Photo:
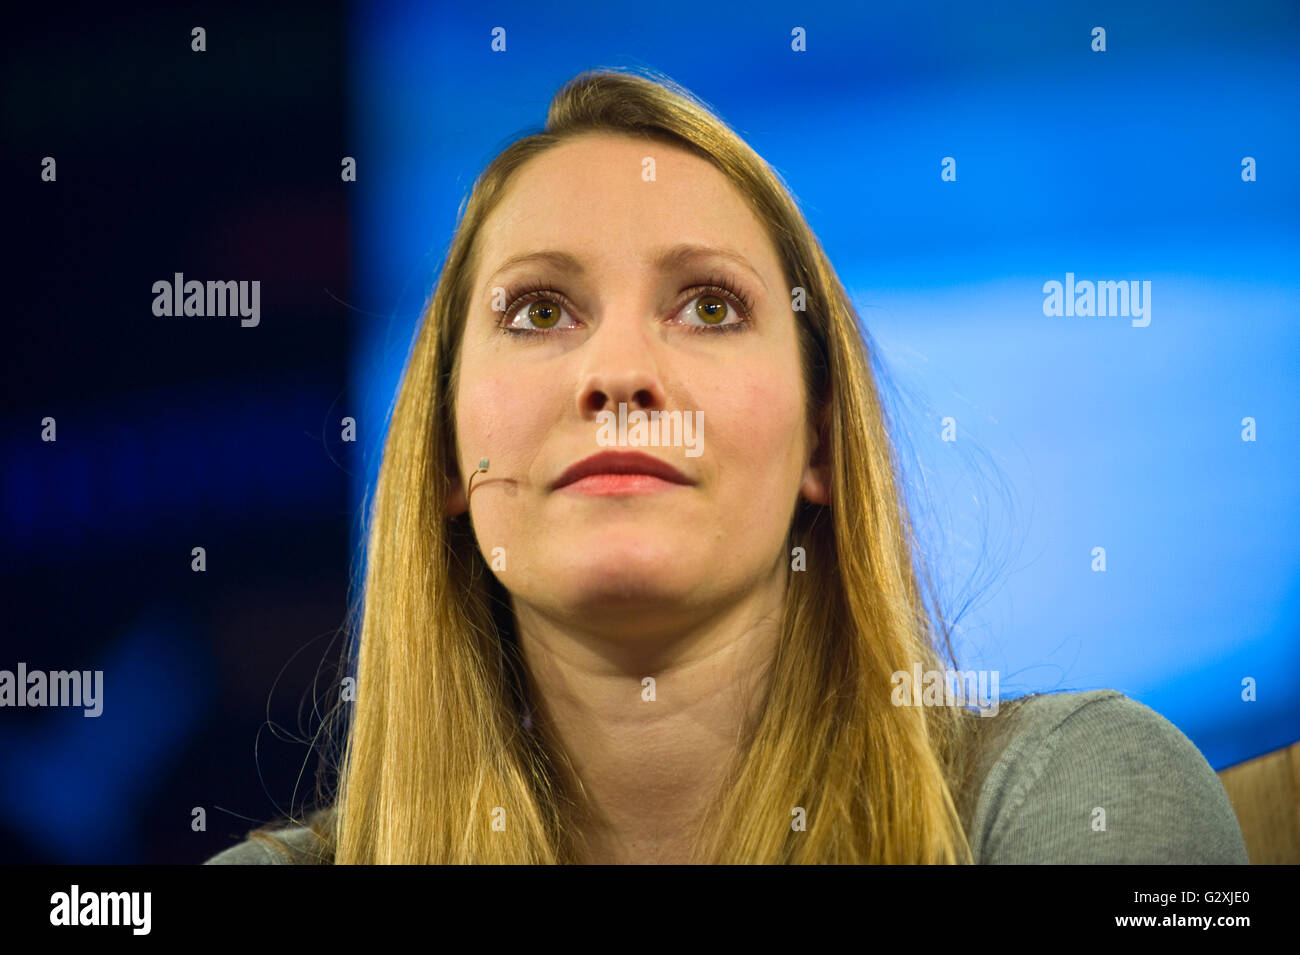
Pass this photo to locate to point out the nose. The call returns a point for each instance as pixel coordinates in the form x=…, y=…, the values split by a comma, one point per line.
x=619, y=368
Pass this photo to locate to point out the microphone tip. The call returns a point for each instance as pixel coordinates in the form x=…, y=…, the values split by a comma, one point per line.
x=482, y=464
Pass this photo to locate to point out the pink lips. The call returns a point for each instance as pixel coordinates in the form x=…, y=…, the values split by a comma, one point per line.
x=620, y=472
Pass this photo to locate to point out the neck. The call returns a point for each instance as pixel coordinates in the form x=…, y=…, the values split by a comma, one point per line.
x=650, y=721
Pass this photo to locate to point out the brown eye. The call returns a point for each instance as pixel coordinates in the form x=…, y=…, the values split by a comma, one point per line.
x=544, y=313
x=711, y=309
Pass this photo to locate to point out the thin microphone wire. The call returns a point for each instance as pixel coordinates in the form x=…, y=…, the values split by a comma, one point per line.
x=482, y=469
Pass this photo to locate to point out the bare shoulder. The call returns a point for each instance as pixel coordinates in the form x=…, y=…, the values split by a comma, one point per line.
x=296, y=845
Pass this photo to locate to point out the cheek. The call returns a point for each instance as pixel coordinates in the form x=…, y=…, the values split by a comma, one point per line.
x=499, y=415
x=758, y=425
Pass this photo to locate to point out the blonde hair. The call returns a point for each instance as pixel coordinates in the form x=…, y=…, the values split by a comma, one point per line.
x=435, y=742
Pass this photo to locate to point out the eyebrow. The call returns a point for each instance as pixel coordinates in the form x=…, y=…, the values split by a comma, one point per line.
x=673, y=257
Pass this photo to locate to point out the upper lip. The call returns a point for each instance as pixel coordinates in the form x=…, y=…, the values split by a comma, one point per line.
x=620, y=462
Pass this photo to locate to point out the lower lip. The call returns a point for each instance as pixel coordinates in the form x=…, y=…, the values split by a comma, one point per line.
x=604, y=485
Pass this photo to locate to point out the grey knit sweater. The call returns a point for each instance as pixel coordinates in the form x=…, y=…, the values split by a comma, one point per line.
x=1047, y=775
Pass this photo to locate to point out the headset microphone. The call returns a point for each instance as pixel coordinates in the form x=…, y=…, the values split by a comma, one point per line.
x=482, y=469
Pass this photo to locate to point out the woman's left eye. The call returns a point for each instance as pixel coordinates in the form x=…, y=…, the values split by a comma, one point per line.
x=713, y=310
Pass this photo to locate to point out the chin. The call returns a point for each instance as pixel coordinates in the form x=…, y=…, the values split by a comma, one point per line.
x=631, y=553
x=623, y=598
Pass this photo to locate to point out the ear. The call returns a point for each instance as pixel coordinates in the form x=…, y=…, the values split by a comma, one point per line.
x=816, y=484
x=457, y=503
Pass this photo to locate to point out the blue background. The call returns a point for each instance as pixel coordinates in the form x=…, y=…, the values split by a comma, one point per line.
x=1073, y=432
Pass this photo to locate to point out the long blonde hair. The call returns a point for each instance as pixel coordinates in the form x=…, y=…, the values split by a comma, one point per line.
x=435, y=749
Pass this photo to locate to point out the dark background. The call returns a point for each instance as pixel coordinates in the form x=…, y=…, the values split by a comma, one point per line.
x=172, y=432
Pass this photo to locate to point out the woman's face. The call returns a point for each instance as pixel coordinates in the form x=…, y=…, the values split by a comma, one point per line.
x=625, y=319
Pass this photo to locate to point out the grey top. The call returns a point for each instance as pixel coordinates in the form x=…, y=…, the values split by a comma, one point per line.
x=1090, y=777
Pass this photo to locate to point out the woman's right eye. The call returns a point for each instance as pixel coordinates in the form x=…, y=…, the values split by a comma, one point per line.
x=540, y=314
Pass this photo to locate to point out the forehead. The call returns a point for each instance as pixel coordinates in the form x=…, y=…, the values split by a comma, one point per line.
x=593, y=196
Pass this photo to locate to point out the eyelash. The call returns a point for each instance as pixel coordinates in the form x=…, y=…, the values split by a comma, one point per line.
x=722, y=287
